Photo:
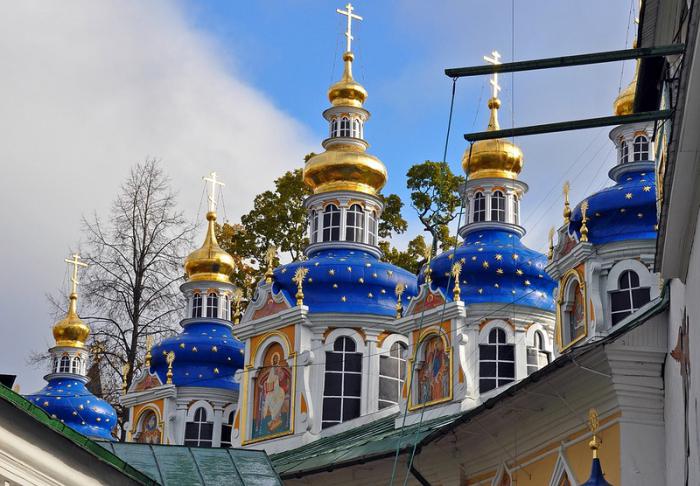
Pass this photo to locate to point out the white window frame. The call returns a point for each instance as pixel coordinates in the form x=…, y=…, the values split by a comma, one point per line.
x=355, y=231
x=479, y=196
x=640, y=148
x=498, y=209
x=330, y=210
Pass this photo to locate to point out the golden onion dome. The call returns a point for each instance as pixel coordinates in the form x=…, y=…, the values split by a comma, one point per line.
x=210, y=262
x=347, y=91
x=624, y=103
x=493, y=158
x=71, y=330
x=345, y=167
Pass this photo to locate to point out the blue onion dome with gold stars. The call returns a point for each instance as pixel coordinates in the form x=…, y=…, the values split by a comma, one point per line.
x=65, y=396
x=206, y=355
x=624, y=211
x=348, y=281
x=68, y=400
x=496, y=268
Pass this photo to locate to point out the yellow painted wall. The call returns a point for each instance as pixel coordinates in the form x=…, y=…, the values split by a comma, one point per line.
x=578, y=456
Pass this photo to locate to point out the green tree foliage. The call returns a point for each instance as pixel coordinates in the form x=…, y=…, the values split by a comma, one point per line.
x=435, y=197
x=411, y=259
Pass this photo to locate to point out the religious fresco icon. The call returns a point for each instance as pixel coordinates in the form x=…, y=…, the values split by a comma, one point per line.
x=150, y=432
x=434, y=376
x=272, y=396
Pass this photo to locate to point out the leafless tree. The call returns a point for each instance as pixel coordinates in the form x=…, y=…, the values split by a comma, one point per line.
x=130, y=290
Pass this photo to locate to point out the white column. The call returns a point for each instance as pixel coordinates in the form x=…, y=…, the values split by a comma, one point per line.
x=487, y=195
x=370, y=374
x=179, y=424
x=520, y=354
x=343, y=215
x=316, y=380
x=218, y=417
x=510, y=213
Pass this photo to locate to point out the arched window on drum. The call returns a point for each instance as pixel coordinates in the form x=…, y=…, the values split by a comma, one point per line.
x=496, y=361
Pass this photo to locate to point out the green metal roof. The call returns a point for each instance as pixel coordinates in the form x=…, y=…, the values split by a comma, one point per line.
x=38, y=414
x=178, y=465
x=366, y=442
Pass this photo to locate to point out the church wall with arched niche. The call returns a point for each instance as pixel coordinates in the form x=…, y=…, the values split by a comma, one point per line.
x=147, y=425
x=432, y=363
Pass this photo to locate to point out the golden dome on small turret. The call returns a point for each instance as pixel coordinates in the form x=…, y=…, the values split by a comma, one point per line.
x=495, y=157
x=345, y=165
x=624, y=103
x=347, y=91
x=71, y=330
x=210, y=262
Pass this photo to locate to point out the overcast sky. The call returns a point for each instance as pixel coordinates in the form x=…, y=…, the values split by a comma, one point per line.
x=90, y=87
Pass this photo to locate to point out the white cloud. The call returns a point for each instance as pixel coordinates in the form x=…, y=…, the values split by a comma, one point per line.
x=90, y=88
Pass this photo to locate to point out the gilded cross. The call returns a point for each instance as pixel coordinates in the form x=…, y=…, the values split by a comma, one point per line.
x=212, y=194
x=495, y=60
x=74, y=278
x=348, y=13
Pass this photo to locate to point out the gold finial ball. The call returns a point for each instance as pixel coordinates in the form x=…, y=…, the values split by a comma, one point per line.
x=493, y=158
x=345, y=168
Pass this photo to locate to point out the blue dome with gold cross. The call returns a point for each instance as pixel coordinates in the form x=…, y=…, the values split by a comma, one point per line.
x=206, y=355
x=496, y=268
x=68, y=400
x=624, y=211
x=349, y=281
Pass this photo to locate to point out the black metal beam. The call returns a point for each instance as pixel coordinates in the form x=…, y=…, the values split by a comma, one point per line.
x=569, y=125
x=567, y=61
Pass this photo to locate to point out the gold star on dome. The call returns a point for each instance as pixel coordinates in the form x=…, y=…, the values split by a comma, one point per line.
x=310, y=280
x=390, y=273
x=527, y=282
x=182, y=346
x=628, y=195
x=450, y=256
x=481, y=291
x=499, y=271
x=216, y=371
x=383, y=291
x=374, y=275
x=316, y=264
x=485, y=264
x=343, y=298
x=497, y=286
x=473, y=258
x=368, y=265
x=499, y=257
x=622, y=210
x=335, y=285
x=640, y=215
x=370, y=295
x=331, y=272
x=349, y=269
x=646, y=188
x=515, y=256
x=518, y=271
x=361, y=280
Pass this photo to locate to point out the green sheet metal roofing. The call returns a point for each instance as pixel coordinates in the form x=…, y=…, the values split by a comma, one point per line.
x=178, y=465
x=371, y=441
x=38, y=414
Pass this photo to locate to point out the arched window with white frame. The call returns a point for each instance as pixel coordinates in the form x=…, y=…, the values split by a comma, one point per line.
x=227, y=427
x=342, y=390
x=334, y=127
x=197, y=305
x=76, y=365
x=479, y=207
x=371, y=228
x=225, y=307
x=498, y=206
x=54, y=364
x=344, y=127
x=624, y=152
x=640, y=148
x=629, y=297
x=537, y=354
x=212, y=304
x=65, y=364
x=496, y=361
x=392, y=374
x=354, y=223
x=314, y=227
x=356, y=128
x=331, y=223
x=199, y=431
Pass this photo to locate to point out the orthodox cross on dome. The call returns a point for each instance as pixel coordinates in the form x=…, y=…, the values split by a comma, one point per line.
x=74, y=278
x=212, y=193
x=495, y=60
x=348, y=33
